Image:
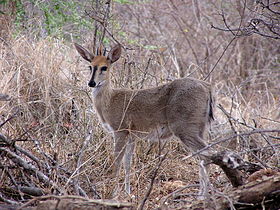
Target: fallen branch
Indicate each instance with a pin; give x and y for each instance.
(84, 201)
(260, 194)
(34, 191)
(253, 194)
(229, 164)
(23, 151)
(3, 199)
(29, 167)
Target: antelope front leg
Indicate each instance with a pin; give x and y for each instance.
(127, 163)
(120, 138)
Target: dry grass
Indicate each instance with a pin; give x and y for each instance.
(46, 81)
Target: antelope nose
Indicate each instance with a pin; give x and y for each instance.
(91, 84)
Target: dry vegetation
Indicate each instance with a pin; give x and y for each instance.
(48, 111)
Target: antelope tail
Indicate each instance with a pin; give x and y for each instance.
(210, 107)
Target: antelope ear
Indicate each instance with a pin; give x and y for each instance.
(115, 53)
(84, 53)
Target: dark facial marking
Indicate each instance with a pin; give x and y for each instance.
(91, 82)
(93, 73)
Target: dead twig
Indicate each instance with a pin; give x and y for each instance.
(105, 20)
(173, 194)
(3, 199)
(23, 151)
(224, 51)
(142, 204)
(103, 24)
(29, 167)
(234, 136)
(265, 24)
(9, 119)
(77, 187)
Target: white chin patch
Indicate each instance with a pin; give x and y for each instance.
(100, 83)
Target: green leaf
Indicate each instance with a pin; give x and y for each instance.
(3, 2)
(124, 1)
(150, 47)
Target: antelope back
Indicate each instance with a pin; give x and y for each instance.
(100, 63)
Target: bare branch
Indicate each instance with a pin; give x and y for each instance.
(266, 23)
(234, 136)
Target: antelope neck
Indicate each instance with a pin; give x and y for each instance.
(102, 89)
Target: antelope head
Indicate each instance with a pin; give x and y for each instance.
(100, 63)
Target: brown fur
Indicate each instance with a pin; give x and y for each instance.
(182, 108)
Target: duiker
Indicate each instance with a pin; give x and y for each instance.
(181, 108)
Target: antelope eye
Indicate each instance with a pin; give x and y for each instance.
(103, 68)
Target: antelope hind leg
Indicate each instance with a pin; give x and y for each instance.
(204, 182)
(194, 142)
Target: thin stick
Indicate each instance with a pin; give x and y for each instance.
(141, 206)
(233, 136)
(173, 194)
(220, 58)
(10, 118)
(105, 20)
